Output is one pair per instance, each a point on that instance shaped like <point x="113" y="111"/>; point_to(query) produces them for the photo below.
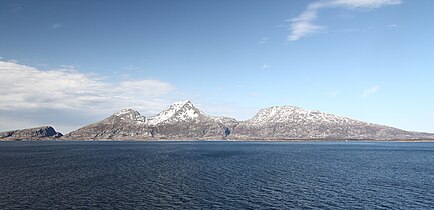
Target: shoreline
<point x="214" y="140"/>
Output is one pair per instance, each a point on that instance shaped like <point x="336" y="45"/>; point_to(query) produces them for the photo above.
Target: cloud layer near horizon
<point x="27" y="88"/>
<point x="23" y="87"/>
<point x="303" y="24"/>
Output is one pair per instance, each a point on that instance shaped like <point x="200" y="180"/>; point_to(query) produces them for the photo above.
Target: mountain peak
<point x="131" y="115"/>
<point x="182" y="120"/>
<point x="182" y="103"/>
<point x="126" y="112"/>
<point x="178" y="111"/>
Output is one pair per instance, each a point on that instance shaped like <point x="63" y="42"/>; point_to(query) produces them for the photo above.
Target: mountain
<point x="290" y="122"/>
<point x="126" y="124"/>
<point x="44" y="132"/>
<point x="183" y="121"/>
<point x="183" y="111"/>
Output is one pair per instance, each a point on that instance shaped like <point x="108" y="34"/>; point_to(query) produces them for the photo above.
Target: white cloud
<point x="27" y="87"/>
<point x="374" y="89"/>
<point x="392" y="25"/>
<point x="24" y="88"/>
<point x="303" y="24"/>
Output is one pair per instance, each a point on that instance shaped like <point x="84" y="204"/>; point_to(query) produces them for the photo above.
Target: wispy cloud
<point x="265" y="66"/>
<point x="24" y="88"/>
<point x="70" y="67"/>
<point x="16" y="8"/>
<point x="333" y="93"/>
<point x="240" y="51"/>
<point x="392" y="25"/>
<point x="56" y="25"/>
<point x="303" y="24"/>
<point x="374" y="89"/>
<point x="264" y="40"/>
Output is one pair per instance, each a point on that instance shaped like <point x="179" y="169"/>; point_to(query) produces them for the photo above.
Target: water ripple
<point x="216" y="175"/>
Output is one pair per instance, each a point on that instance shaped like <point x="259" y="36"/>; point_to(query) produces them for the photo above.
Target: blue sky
<point x="70" y="63"/>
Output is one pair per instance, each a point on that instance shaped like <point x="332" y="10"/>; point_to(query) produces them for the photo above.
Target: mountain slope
<point x="182" y="120"/>
<point x="183" y="111"/>
<point x="290" y="122"/>
<point x="126" y="124"/>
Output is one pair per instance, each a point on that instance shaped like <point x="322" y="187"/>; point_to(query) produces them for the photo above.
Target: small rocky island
<point x="39" y="133"/>
<point x="183" y="121"/>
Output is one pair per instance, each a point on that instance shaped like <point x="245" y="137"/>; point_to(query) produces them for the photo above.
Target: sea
<point x="216" y="175"/>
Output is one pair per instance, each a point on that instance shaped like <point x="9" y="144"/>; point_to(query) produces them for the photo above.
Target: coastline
<point x="216" y="140"/>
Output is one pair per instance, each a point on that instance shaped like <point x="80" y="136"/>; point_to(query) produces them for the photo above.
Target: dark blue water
<point x="229" y="175"/>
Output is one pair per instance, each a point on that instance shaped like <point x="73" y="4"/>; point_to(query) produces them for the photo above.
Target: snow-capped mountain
<point x="182" y="120"/>
<point x="183" y="111"/>
<point x="293" y="114"/>
<point x="290" y="122"/>
<point x="130" y="115"/>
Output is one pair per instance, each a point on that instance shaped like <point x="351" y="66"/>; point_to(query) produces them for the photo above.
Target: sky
<point x="71" y="63"/>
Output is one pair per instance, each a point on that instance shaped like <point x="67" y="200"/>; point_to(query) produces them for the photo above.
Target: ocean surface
<point x="216" y="175"/>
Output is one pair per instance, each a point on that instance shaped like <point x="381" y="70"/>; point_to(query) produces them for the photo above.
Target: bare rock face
<point x="39" y="133"/>
<point x="126" y="124"/>
<point x="292" y="123"/>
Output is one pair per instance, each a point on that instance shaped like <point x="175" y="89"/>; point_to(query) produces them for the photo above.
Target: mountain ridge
<point x="182" y="120"/>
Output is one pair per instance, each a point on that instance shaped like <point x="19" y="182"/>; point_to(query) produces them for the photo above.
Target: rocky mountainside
<point x="181" y="120"/>
<point x="290" y="122"/>
<point x="44" y="132"/>
<point x="126" y="124"/>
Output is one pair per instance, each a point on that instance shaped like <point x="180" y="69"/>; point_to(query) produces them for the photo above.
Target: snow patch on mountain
<point x="131" y="115"/>
<point x="182" y="111"/>
<point x="295" y="115"/>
